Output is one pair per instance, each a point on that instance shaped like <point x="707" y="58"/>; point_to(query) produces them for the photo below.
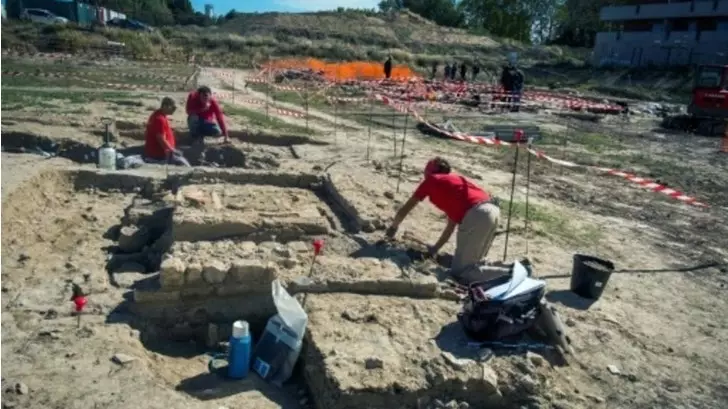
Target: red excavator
<point x="708" y="110"/>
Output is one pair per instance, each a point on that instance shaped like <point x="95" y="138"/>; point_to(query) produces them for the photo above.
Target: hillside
<point x="347" y="35"/>
<point x="249" y="39"/>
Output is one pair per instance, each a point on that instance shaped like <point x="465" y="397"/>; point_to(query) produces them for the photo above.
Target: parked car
<point x="42" y="16"/>
<point x="128" y="24"/>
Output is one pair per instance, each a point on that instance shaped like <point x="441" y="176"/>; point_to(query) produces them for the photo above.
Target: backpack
<point x="513" y="306"/>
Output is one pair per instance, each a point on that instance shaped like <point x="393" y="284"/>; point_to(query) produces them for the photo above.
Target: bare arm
<point x="219" y="116"/>
<point x="404" y="211"/>
<point x="445" y="236"/>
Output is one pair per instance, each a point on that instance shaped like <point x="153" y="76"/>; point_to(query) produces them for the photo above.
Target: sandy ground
<point x="664" y="331"/>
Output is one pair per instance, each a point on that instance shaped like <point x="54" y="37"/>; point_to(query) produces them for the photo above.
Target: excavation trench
<point x="260" y="151"/>
<point x="203" y="248"/>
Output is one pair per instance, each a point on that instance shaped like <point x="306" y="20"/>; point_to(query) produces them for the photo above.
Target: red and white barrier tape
<point x="640" y="181"/>
<point x="228" y="95"/>
<point x="402" y="107"/>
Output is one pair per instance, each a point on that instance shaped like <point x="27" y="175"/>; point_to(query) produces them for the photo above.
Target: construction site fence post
<point x="394" y="132"/>
<point x="369" y="127"/>
<point x="528" y="192"/>
<point x="336" y="120"/>
<point x="308" y="131"/>
<point x="401" y="156"/>
<point x="510" y="203"/>
<point x="267" y="93"/>
<point x="563" y="146"/>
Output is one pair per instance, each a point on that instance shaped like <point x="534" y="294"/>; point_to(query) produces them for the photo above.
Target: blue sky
<point x="223" y="6"/>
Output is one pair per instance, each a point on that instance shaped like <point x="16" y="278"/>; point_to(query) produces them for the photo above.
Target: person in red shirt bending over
<point x="466" y="205"/>
<point x="159" y="142"/>
<point x="202" y="113"/>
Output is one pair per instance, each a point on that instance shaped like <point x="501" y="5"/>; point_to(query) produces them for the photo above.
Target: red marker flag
<point x="79" y="302"/>
<point x="318" y="245"/>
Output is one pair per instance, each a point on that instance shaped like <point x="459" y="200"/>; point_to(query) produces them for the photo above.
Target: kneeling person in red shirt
<point x="202" y="113"/>
<point x="466" y="205"/>
<point x="159" y="141"/>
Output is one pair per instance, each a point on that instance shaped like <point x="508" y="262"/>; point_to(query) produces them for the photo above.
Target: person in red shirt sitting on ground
<point x="466" y="205"/>
<point x="202" y="112"/>
<point x="159" y="141"/>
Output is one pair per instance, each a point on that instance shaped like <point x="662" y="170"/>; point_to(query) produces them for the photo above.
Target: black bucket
<point x="589" y="276"/>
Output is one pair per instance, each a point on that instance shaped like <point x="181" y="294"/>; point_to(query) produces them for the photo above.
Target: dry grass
<point x="251" y="38"/>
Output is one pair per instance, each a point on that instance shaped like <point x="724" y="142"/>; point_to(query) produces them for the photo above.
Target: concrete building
<point x="664" y="32"/>
<point x="209" y="10"/>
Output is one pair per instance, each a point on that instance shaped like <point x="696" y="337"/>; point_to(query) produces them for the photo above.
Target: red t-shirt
<point x="157" y="124"/>
<point x="451" y="193"/>
<point x="195" y="106"/>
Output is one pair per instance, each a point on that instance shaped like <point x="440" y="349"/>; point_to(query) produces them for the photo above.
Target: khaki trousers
<point x="475" y="235"/>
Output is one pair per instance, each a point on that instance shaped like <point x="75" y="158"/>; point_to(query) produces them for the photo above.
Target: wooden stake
<point x="401" y="156"/>
<point x="267" y="92"/>
<point x="305" y="101"/>
<point x="369" y="128"/>
<point x="510" y="205"/>
<point x="528" y="191"/>
<point x="394" y="132"/>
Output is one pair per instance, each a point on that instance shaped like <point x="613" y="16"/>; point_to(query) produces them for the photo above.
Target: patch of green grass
<point x="590" y="141"/>
<point x="260" y="120"/>
<point x="33" y="81"/>
<point x="65" y="74"/>
<point x="315" y="101"/>
<point x="79" y="111"/>
<point x="16" y="99"/>
<point x="550" y="223"/>
<point x="126" y="102"/>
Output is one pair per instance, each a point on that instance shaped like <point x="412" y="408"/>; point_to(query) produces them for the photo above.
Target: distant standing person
<point x="447" y="71"/>
<point x="453" y="71"/>
<point x="434" y="70"/>
<point x="476" y="71"/>
<point x="512" y="80"/>
<point x="159" y="141"/>
<point x="202" y="112"/>
<point x="388" y="67"/>
<point x="463" y="71"/>
<point x="518" y="81"/>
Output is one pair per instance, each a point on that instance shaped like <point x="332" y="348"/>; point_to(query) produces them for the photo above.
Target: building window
<point x="681" y="24"/>
<point x="709" y="77"/>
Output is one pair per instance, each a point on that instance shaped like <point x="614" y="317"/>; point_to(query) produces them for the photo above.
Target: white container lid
<point x="240" y="329"/>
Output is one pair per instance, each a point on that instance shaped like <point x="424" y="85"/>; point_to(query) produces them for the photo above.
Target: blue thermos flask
<point x="240" y="350"/>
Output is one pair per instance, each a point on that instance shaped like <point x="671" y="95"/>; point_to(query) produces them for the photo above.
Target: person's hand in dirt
<point x="225" y="139"/>
<point x="432" y="252"/>
<point x="391" y="231"/>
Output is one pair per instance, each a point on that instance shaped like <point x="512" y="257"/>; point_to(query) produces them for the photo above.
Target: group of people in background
<point x="454" y="71"/>
<point x="512" y="78"/>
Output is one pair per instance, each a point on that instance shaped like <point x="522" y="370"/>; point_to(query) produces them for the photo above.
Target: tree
<point x="504" y="18"/>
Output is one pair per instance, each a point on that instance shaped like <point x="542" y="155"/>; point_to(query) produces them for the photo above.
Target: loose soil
<point x="663" y="331"/>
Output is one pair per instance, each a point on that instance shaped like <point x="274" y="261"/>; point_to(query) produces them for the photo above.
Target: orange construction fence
<point x="355" y="70"/>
